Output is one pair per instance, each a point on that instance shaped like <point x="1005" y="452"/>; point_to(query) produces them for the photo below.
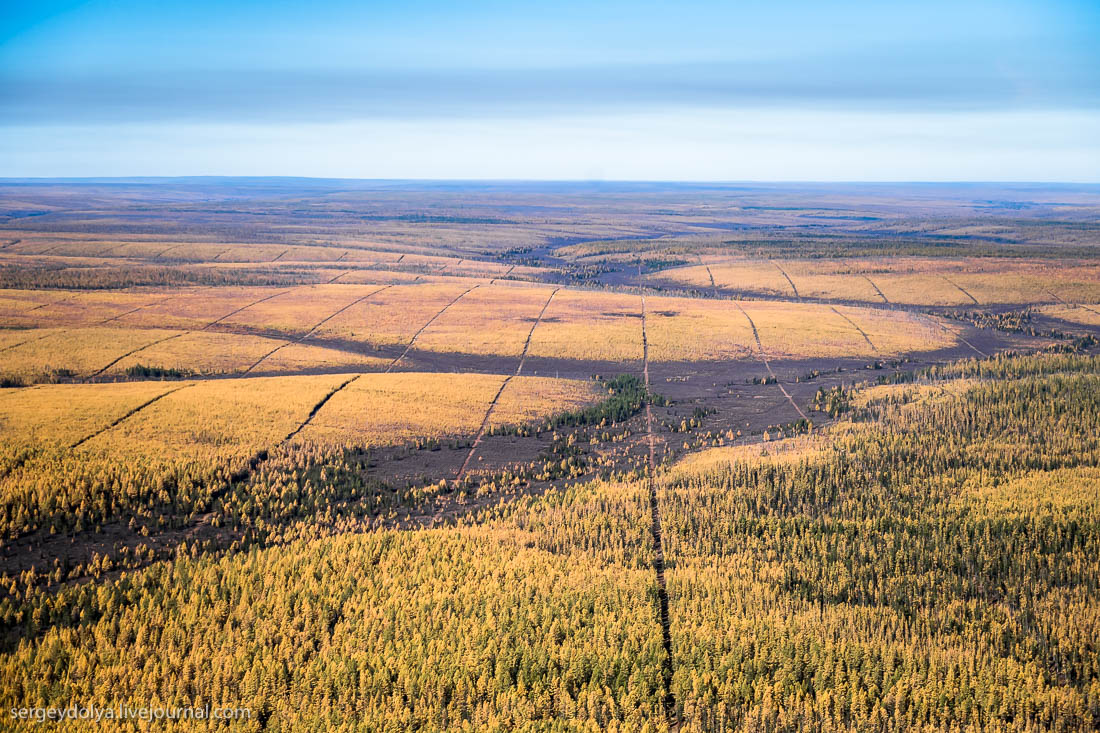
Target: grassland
<point x="105" y="459"/>
<point x="387" y="409"/>
<point x="913" y="281"/>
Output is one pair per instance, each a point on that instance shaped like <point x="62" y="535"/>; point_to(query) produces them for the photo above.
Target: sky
<point x="691" y="90"/>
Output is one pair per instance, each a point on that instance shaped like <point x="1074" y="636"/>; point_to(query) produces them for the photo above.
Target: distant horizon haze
<point x="993" y="90"/>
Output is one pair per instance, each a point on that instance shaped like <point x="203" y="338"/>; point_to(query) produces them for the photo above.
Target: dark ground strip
<point x="972" y="347"/>
<point x="280" y="255"/>
<point x="960" y="289"/>
<point x="320" y="323"/>
<point x="880" y="293"/>
<point x="658" y="546"/>
<point x="481" y="429"/>
<point x="129" y="414"/>
<point x="135" y="310"/>
<point x="160" y="254"/>
<point x="28" y="341"/>
<point x="1063" y="301"/>
<point x="789" y="280"/>
<point x="316" y="409"/>
<point x="430" y="321"/>
<point x="856" y="327"/>
<point x="244" y="307"/>
<point x="493" y="404"/>
<point x="59" y="301"/>
<point x="140" y="348"/>
<point x="12" y="243"/>
<point x="709" y="274"/>
<point x="767" y="365"/>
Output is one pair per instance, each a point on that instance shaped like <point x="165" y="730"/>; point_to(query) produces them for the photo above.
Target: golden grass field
<point x="375" y="409"/>
<point x="59" y="415"/>
<point x="808" y="330"/>
<point x="694" y="329"/>
<point x="92" y="450"/>
<point x="590" y="325"/>
<point x="1073" y="314"/>
<point x="384" y="409"/>
<point x="82" y="351"/>
<point x="902" y="280"/>
<point x="225" y="331"/>
<point x="35" y="354"/>
<point x="493" y="319"/>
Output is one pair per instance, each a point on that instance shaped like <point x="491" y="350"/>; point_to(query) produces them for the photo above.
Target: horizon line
<point x="586" y="181"/>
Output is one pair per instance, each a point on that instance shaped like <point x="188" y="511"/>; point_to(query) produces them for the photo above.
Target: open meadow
<point x="395" y="456"/>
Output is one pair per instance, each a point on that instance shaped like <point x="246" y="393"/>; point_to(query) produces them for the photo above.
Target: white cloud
<point x="705" y="144"/>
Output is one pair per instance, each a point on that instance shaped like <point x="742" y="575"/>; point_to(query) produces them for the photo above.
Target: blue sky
<point x="568" y="90"/>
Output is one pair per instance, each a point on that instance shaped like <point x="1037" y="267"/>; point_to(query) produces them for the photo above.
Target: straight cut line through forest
<point x="655" y="529"/>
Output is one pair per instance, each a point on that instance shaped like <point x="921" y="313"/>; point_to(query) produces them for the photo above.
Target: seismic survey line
<point x="496" y="398"/>
<point x="789" y="280"/>
<point x="855" y="325"/>
<point x="880" y="293"/>
<point x="138" y="350"/>
<point x="244" y="307"/>
<point x="310" y="332"/>
<point x="669" y="701"/>
<point x="430" y="321"/>
<point x="960" y="289"/>
<point x="767" y="365"/>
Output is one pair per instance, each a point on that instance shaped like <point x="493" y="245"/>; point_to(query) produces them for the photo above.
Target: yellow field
<point x="60" y="415"/>
<point x="219" y="353"/>
<point x="590" y="325"/>
<point x="922" y="289"/>
<point x="203" y="420"/>
<point x="689" y="329"/>
<point x="790" y="450"/>
<point x="494" y="319"/>
<point x="15" y="302"/>
<point x="751" y="275"/>
<point x="835" y="287"/>
<point x="384" y="409"/>
<point x="904" y="280"/>
<point x="391" y="317"/>
<point x="83" y="351"/>
<point x="300" y="309"/>
<point x="1073" y="314"/>
<point x="801" y="330"/>
<point x="1034" y="285"/>
<point x="62" y="307"/>
<point x="526" y="399"/>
